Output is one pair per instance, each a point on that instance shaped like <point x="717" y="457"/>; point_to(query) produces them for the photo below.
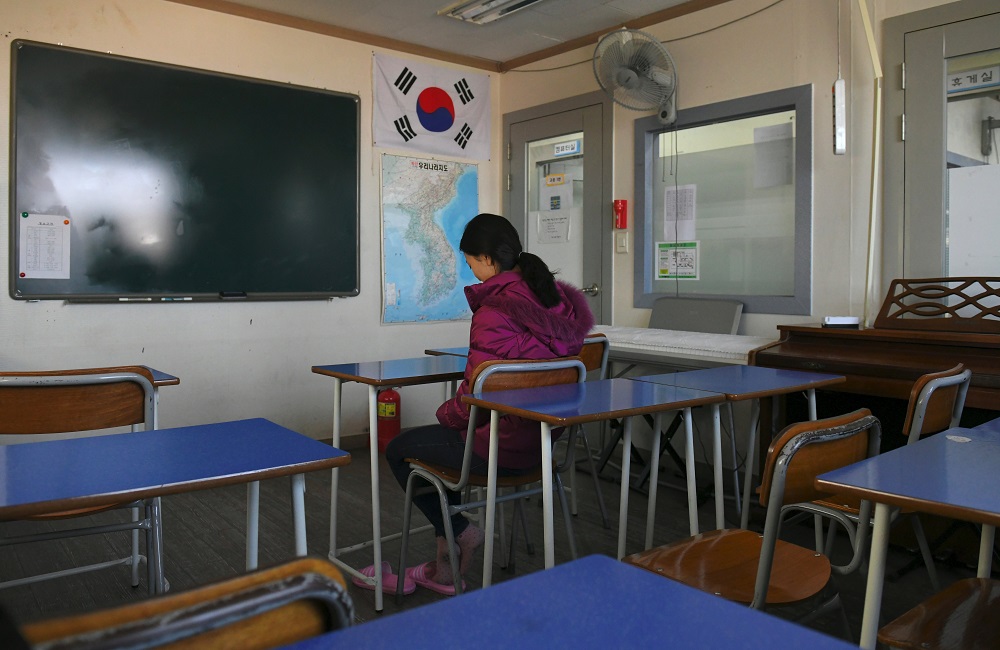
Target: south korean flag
<point x="431" y="109"/>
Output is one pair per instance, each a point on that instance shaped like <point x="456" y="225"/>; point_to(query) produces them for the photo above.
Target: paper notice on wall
<point x="553" y="227"/>
<point x="680" y="212"/>
<point x="772" y="160"/>
<point x="43" y="246"/>
<point x="556" y="193"/>
<point x="677" y="260"/>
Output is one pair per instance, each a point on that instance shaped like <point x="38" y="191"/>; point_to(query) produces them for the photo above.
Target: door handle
<point x="592" y="289"/>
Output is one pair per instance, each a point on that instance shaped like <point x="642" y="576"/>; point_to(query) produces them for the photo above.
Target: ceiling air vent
<point x="481" y="12"/>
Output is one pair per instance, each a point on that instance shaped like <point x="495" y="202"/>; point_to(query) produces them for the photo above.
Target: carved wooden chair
<point x="762" y="570"/>
<point x="490" y="376"/>
<point x="87" y="400"/>
<point x="269" y="608"/>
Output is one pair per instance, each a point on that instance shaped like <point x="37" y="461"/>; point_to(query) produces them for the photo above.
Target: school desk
<point x="742" y="383"/>
<point x="593" y="602"/>
<point x="58" y="475"/>
<point x="565" y="405"/>
<point x="376" y="374"/>
<point x="952" y="474"/>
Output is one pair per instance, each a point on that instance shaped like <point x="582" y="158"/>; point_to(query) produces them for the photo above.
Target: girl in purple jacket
<point x="519" y="311"/>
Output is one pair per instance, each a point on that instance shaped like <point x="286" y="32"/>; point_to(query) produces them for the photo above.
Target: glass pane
<point x="555" y="204"/>
<point x="725" y="192"/>
<point x="972" y="219"/>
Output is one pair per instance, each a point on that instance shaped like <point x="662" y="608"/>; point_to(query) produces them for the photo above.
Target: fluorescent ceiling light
<point x="481" y="12"/>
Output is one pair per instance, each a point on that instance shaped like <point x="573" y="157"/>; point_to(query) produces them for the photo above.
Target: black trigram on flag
<point x="405" y="81"/>
<point x="405" y="130"/>
<point x="464" y="135"/>
<point x="464" y="92"/>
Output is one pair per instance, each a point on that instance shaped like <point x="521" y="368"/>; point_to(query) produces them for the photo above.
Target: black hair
<point x="491" y="234"/>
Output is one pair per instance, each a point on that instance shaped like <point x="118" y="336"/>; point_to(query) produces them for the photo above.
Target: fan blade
<point x="646" y="95"/>
<point x="608" y="62"/>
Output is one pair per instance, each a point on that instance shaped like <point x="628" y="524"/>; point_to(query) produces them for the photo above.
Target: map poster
<point x="425" y="207"/>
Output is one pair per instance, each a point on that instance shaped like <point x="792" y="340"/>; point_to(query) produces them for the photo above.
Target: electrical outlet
<point x="621" y="242"/>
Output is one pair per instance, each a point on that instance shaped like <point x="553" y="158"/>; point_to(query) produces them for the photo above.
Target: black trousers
<point x="439" y="445"/>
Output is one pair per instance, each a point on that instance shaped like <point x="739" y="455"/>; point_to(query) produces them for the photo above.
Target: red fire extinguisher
<point x="388" y="417"/>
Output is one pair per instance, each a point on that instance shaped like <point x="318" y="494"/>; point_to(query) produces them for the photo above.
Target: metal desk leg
<point x="986" y="551"/>
<point x="376" y="505"/>
<point x="623" y="499"/>
<point x="299" y="513"/>
<point x="811" y="396"/>
<point x="692" y="486"/>
<point x="752" y="442"/>
<point x="157" y="515"/>
<point x="654" y="478"/>
<point x="720" y="520"/>
<point x="876" y="577"/>
<point x="491" y="498"/>
<point x="253" y="518"/>
<point x="548" y="532"/>
<point x="334" y="473"/>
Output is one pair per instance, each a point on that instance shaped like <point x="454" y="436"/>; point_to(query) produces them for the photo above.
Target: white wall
<point x="234" y="360"/>
<point x="731" y="51"/>
<point x="254" y="359"/>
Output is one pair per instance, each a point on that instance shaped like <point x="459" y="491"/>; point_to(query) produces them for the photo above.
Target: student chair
<point x="87" y="400"/>
<point x="935" y="404"/>
<point x="594" y="354"/>
<point x="264" y="609"/>
<point x="489" y="376"/>
<point x="762" y="570"/>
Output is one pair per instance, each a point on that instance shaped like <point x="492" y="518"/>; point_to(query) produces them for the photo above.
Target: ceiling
<point x="544" y="29"/>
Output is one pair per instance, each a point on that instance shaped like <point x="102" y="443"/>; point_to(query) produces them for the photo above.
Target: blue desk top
<point x="953" y="474"/>
<point x="593" y="602"/>
<point x="398" y="372"/>
<point x="591" y="401"/>
<point x="39" y="477"/>
<point x="992" y="425"/>
<point x="745" y="382"/>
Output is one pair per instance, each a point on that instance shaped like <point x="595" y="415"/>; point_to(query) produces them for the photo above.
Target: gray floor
<point x="204" y="542"/>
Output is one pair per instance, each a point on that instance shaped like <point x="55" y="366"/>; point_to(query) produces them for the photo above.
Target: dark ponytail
<point x="541" y="280"/>
<point x="491" y="234"/>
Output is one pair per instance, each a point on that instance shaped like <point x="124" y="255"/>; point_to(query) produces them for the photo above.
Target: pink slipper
<point x="389" y="580"/>
<point x="418" y="574"/>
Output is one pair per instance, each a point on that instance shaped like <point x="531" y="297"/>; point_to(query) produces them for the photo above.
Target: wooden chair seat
<point x="724" y="562"/>
<point x="964" y="616"/>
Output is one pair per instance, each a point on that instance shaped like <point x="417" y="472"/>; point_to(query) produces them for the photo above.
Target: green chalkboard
<point x="134" y="180"/>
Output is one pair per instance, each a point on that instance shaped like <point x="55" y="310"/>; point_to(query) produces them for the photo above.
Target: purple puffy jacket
<point x="509" y="322"/>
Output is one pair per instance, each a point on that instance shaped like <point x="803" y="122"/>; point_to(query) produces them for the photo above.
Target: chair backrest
<point x="803" y="451"/>
<point x="799" y="454"/>
<point x="499" y="374"/>
<point x="61" y="401"/>
<point x="696" y="315"/>
<point x="508" y="374"/>
<point x="936" y="402"/>
<point x="269" y="608"/>
<point x="594" y="354"/>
